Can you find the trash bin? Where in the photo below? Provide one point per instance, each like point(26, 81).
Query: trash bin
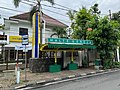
point(97, 64)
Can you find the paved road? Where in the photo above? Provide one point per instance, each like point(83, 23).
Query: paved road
point(103, 82)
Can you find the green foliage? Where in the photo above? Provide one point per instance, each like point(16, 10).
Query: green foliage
point(16, 3)
point(107, 64)
point(94, 9)
point(59, 31)
point(82, 20)
point(71, 15)
point(116, 16)
point(105, 36)
point(105, 33)
point(116, 64)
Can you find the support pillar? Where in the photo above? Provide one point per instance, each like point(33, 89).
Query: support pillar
point(36, 35)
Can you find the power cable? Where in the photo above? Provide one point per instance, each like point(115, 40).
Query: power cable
point(55, 7)
point(49, 6)
point(48, 10)
point(55, 12)
point(26, 3)
point(65, 7)
point(10, 9)
point(30, 1)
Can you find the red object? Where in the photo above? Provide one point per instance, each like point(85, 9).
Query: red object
point(89, 29)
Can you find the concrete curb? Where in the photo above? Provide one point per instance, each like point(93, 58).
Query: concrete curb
point(68, 78)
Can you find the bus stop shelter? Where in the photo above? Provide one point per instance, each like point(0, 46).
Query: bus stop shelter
point(71, 45)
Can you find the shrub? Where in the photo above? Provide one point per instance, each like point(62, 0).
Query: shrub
point(108, 64)
point(116, 64)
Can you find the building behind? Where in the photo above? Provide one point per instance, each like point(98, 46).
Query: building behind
point(19, 25)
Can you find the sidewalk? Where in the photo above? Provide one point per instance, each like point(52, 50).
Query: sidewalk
point(8, 78)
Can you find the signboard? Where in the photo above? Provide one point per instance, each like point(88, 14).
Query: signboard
point(69, 41)
point(25, 40)
point(15, 38)
point(18, 39)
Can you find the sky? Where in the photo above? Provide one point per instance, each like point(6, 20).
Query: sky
point(104, 6)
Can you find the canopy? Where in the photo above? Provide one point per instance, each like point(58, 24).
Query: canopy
point(65, 47)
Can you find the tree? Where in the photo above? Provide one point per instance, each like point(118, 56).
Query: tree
point(105, 37)
point(82, 20)
point(34, 8)
point(94, 9)
point(71, 14)
point(60, 32)
point(105, 33)
point(116, 16)
point(81, 23)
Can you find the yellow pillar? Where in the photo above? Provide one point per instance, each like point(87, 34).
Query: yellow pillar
point(36, 35)
point(55, 55)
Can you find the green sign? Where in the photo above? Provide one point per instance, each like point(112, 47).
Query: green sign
point(69, 41)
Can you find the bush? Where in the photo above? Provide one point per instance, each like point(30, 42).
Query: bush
point(116, 64)
point(107, 64)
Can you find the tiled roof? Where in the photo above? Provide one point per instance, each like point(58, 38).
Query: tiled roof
point(48, 19)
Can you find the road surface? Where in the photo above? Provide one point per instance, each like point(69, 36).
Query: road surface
point(110, 81)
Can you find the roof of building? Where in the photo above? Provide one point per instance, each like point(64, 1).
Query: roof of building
point(48, 19)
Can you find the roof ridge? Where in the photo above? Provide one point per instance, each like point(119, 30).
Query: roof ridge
point(49, 19)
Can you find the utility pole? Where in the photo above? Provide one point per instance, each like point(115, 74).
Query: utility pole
point(25, 42)
point(110, 14)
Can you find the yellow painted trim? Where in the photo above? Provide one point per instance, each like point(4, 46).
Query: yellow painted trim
point(61, 50)
point(42, 47)
point(55, 55)
point(33, 34)
point(39, 28)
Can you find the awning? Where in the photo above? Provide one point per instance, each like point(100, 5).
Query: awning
point(65, 47)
